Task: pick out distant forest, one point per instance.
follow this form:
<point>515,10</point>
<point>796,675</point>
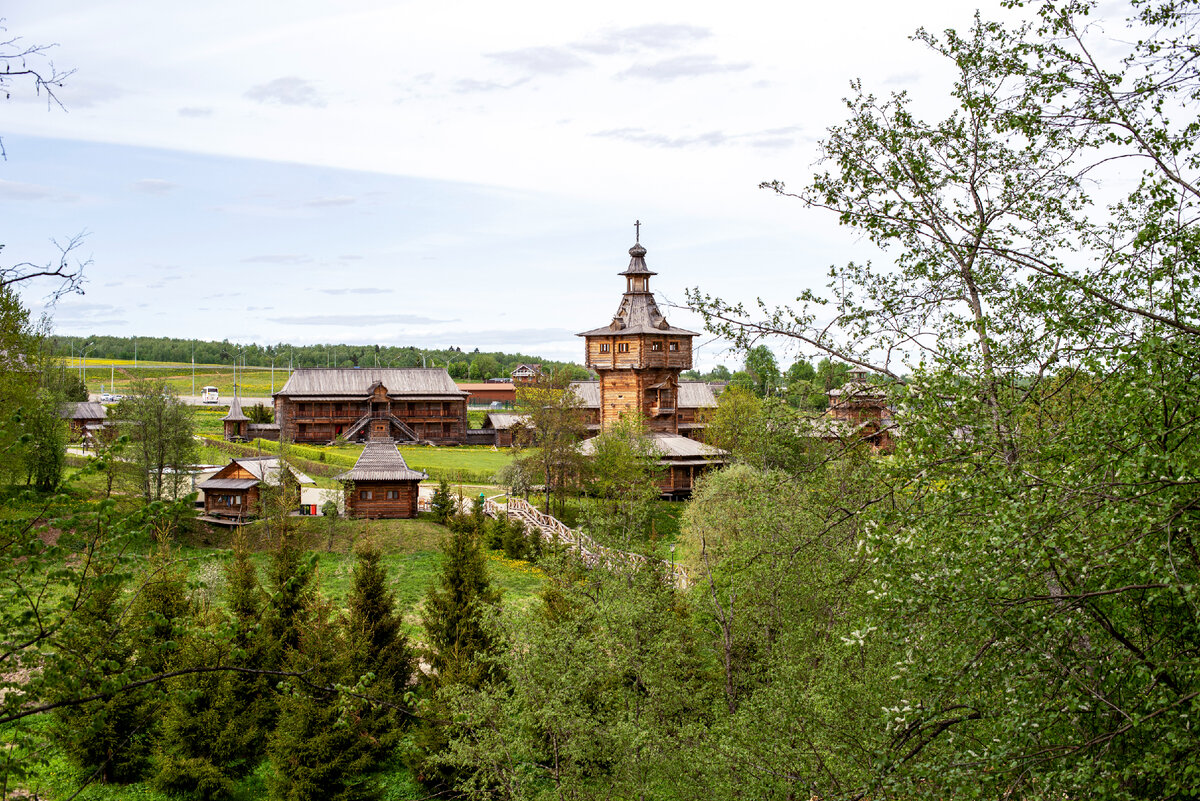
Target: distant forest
<point>473,365</point>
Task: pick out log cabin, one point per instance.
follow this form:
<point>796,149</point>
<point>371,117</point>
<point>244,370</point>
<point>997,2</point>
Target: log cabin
<point>381,484</point>
<point>234,493</point>
<point>410,404</point>
<point>87,420</point>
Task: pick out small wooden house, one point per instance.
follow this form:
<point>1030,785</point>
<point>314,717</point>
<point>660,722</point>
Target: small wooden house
<point>381,484</point>
<point>506,425</point>
<point>87,420</point>
<point>234,493</point>
<point>526,374</point>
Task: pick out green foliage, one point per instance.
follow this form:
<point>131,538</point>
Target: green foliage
<point>622,472</point>
<point>44,442</point>
<point>443,503</point>
<point>549,443</point>
<point>763,370</point>
<point>1032,567</point>
<point>455,616</point>
<point>260,414</point>
<point>161,435</point>
<point>604,679</point>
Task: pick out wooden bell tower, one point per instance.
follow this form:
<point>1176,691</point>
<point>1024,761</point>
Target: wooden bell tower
<point>639,356</point>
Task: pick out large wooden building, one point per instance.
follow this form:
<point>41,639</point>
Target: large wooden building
<point>410,404</point>
<point>381,484</point>
<point>639,357</point>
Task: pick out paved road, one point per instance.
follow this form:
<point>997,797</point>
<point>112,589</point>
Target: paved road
<point>194,400</point>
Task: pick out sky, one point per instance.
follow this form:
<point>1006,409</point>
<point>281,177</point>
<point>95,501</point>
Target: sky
<point>435,174</point>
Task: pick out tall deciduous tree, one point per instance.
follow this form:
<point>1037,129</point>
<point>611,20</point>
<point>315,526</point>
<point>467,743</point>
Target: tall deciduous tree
<point>622,472</point>
<point>1037,556</point>
<point>549,441</point>
<point>162,438</point>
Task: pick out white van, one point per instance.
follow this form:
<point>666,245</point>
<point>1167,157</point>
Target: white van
<point>210,395</point>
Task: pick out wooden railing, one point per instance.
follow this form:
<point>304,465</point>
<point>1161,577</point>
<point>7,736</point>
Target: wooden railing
<point>591,552</point>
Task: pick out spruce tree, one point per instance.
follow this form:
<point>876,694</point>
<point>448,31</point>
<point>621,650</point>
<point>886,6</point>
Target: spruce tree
<point>214,730</point>
<point>443,502</point>
<point>374,636</point>
<point>109,738</point>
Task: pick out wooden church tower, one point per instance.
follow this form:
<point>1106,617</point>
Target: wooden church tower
<point>639,356</point>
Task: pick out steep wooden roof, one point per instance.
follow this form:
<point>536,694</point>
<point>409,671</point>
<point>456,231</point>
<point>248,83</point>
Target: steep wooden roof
<point>638,313</point>
<point>235,412</point>
<point>349,382</point>
<point>381,461</point>
<point>672,448</point>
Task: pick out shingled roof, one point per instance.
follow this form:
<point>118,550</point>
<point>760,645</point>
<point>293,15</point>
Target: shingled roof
<point>235,412</point>
<point>672,448</point>
<point>350,382</point>
<point>86,410</point>
<point>265,469</point>
<point>638,313</point>
<point>381,461</point>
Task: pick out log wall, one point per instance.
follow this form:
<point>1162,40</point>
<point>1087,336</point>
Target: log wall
<point>379,505</point>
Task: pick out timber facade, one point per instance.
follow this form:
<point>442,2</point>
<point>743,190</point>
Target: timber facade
<point>639,357</point>
<point>381,484</point>
<point>319,405</point>
<point>234,493</point>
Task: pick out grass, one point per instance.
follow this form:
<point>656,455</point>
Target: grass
<point>460,464</point>
<point>119,377</point>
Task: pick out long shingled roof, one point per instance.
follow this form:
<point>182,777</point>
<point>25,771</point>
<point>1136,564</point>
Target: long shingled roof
<point>357,383</point>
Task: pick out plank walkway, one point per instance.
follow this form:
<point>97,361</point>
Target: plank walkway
<point>591,552</point>
<point>554,530</point>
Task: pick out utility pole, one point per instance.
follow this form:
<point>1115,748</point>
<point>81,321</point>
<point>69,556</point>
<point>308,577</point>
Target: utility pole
<point>193,369</point>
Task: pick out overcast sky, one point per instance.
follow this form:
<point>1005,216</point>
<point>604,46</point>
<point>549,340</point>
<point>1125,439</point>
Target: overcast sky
<point>435,174</point>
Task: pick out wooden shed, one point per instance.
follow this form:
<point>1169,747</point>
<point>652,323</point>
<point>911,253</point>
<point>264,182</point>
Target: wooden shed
<point>236,422</point>
<point>87,420</point>
<point>381,484</point>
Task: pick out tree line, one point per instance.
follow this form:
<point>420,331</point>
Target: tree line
<point>473,365</point>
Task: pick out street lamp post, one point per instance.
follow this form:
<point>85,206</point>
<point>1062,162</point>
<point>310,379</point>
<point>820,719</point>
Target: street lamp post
<point>83,360</point>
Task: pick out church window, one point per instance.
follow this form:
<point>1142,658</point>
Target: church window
<point>674,347</point>
<point>604,347</point>
<point>622,347</point>
<point>655,346</point>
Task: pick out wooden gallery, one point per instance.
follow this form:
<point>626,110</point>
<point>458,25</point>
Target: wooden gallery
<point>411,404</point>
